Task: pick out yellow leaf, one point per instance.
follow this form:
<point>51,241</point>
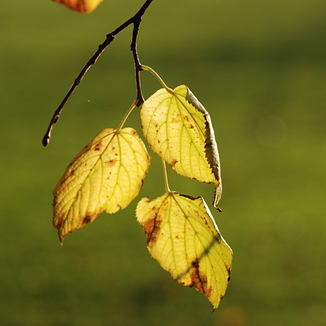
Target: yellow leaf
<point>184,239</point>
<point>81,6</point>
<point>107,174</point>
<point>179,129</point>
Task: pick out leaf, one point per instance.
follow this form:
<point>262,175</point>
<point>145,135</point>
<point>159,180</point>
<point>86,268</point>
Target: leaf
<point>179,129</point>
<point>81,6</point>
<point>184,239</point>
<point>107,174</point>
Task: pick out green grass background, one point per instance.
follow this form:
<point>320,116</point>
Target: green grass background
<point>259,68</point>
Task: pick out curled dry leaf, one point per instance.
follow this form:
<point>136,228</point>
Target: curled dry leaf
<point>107,174</point>
<point>179,129</point>
<point>183,238</point>
<point>81,6</point>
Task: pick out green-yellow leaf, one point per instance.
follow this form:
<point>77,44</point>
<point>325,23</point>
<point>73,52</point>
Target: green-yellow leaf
<point>184,239</point>
<point>179,129</point>
<point>107,174</point>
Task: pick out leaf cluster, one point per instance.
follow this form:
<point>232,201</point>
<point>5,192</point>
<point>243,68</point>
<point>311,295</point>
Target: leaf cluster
<point>108,173</point>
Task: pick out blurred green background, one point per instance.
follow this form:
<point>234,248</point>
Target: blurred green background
<point>259,68</point>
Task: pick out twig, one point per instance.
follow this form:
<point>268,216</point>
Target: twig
<point>136,20</point>
<point>138,68</point>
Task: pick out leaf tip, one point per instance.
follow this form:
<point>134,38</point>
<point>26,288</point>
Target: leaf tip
<point>217,195</point>
<point>61,238</point>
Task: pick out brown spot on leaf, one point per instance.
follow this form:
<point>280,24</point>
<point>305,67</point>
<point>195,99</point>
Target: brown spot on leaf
<point>152,228</point>
<point>173,163</point>
<point>148,228</point>
<point>195,263</point>
<point>98,146</point>
<point>71,173</point>
<point>111,162</point>
<point>87,219</point>
<point>228,269</point>
<point>176,119</point>
<point>198,279</point>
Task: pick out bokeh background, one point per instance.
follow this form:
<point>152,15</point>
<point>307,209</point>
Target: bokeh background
<point>259,68</point>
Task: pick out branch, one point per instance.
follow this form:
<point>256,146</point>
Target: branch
<point>136,20</point>
<point>138,67</point>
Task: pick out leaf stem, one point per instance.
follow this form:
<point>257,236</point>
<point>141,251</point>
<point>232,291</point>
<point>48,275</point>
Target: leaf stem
<point>124,119</point>
<point>157,76</point>
<point>136,20</point>
<point>166,180</point>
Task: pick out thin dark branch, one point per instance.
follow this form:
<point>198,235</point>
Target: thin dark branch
<point>138,69</point>
<point>136,20</point>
